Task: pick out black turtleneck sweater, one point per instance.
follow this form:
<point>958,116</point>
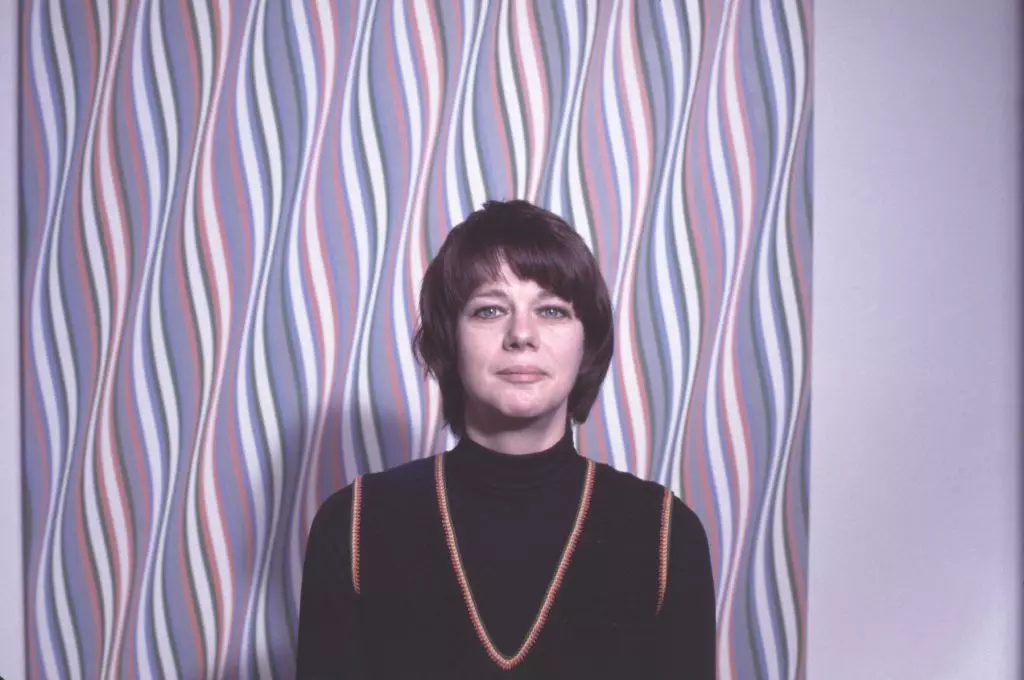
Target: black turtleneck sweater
<point>512,516</point>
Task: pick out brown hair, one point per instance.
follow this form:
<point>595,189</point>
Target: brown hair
<point>537,245</point>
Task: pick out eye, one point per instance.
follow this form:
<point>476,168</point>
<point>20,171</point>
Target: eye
<point>555,312</point>
<point>486,312</point>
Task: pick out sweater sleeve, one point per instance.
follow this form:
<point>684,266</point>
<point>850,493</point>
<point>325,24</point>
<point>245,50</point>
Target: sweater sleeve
<point>687,625</point>
<point>329,645</point>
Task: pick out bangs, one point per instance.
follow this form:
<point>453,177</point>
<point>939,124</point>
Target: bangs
<point>549,261</point>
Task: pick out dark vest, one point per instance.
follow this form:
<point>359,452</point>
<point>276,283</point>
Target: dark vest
<point>413,617</point>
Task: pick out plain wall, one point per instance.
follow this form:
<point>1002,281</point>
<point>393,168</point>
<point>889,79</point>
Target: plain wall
<point>12,626</point>
<point>915,486</point>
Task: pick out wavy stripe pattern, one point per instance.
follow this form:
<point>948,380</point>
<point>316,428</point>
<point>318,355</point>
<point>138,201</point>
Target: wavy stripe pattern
<point>228,209</point>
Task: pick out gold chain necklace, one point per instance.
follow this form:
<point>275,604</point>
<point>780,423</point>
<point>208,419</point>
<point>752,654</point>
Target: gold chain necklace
<point>510,662</point>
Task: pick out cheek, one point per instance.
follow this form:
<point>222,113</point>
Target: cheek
<point>472,355</point>
<point>572,352</point>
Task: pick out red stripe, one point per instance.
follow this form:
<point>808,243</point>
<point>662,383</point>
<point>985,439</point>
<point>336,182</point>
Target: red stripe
<point>641,179</point>
<point>222,325</point>
<point>189,332</point>
<point>244,533</point>
<point>314,235</point>
<point>393,265</point>
<point>135,168</point>
<point>87,369</point>
<point>30,118</point>
<point>502,141</point>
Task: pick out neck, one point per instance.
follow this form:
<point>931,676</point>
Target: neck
<point>518,438</point>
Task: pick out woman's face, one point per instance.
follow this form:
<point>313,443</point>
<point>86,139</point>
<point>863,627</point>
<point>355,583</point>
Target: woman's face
<point>520,348</point>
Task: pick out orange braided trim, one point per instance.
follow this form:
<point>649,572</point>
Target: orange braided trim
<point>666,526</point>
<point>509,662</point>
<point>357,507</point>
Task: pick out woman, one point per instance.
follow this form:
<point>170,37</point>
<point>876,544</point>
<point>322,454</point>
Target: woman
<point>510,556</point>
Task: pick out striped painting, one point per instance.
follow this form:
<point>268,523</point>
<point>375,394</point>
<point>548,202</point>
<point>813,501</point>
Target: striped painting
<point>227,208</point>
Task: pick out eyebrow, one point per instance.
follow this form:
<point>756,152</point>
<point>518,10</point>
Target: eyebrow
<point>489,292</point>
<point>502,295</point>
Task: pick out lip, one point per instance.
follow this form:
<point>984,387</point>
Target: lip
<point>522,371</point>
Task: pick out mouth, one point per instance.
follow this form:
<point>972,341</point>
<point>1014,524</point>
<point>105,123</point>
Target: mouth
<point>522,374</point>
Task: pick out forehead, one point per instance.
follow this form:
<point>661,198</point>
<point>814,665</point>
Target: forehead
<point>505,282</point>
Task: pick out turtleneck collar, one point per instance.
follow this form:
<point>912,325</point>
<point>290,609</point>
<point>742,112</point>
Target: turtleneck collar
<point>473,464</point>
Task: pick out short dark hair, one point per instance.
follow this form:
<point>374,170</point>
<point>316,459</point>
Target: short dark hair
<point>538,246</point>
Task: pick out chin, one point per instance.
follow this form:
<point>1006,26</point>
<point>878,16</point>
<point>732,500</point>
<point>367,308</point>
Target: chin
<point>517,408</point>
<point>523,412</point>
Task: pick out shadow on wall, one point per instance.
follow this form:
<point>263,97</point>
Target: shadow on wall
<point>391,426</point>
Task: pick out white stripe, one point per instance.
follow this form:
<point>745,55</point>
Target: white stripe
<point>419,157</point>
<point>532,92</point>
<point>353,191</point>
<point>718,462</point>
<point>631,380</point>
<point>671,319</point>
<point>146,411</point>
<point>776,381</point>
<point>376,183</point>
<point>684,251</point>
<point>577,193</point>
<point>474,174</point>
<point>611,98</point>
<point>115,230</point>
<point>158,341</point>
<point>306,495</point>
<point>50,580</point>
<point>569,110</point>
<point>93,520</point>
<point>315,257</point>
<point>222,299</point>
<point>462,108</point>
<point>613,404</point>
<point>305,200</point>
<point>404,326</point>
<point>734,116</point>
<point>265,401</point>
<point>760,567</point>
<point>509,92</point>
<point>204,330</point>
<point>790,617</point>
<point>244,408</point>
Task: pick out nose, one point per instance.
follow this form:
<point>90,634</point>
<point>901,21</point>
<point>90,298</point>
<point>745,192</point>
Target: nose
<point>521,332</point>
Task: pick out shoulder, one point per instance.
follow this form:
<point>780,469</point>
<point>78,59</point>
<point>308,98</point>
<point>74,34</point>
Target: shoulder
<point>391,483</point>
<point>629,507</point>
<point>686,525</point>
<point>629,495</point>
<point>625,488</point>
<point>333,511</point>
<point>401,479</point>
